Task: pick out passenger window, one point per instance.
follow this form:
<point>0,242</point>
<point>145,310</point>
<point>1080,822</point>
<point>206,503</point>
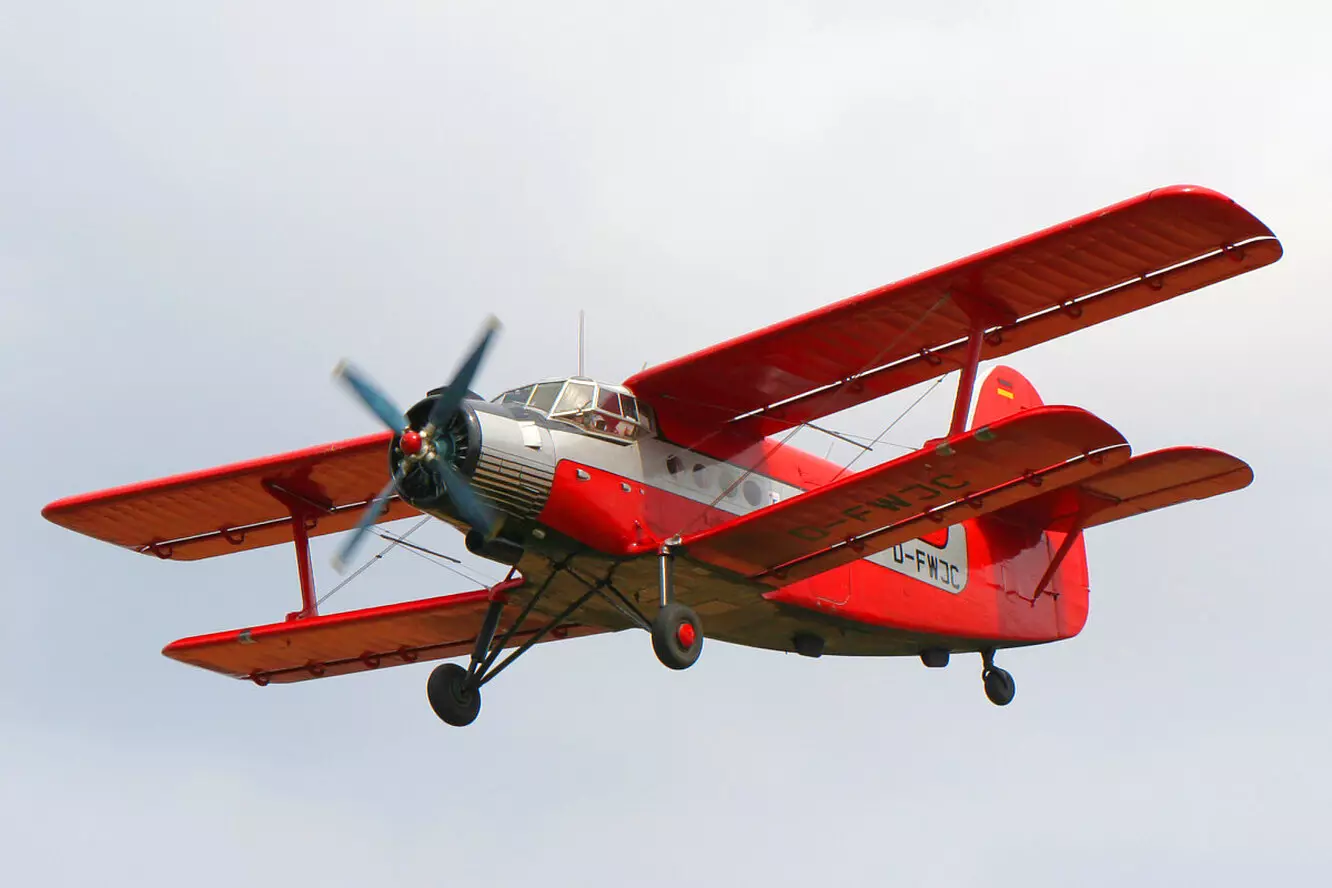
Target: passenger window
<point>753,493</point>
<point>673,464</point>
<point>544,396</point>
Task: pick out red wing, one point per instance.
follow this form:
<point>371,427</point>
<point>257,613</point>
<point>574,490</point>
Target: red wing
<point>1066,278</point>
<point>356,641</point>
<point>1144,484</point>
<point>978,471</point>
<point>230,508</point>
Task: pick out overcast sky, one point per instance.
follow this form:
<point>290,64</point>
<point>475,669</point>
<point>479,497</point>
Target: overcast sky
<point>204,206</point>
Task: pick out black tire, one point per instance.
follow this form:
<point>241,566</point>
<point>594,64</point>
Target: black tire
<point>999,686</point>
<point>666,641</point>
<point>935,658</point>
<point>454,702</point>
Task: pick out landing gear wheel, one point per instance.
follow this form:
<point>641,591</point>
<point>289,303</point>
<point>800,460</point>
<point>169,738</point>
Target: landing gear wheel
<point>677,636</point>
<point>450,697</point>
<point>999,686</point>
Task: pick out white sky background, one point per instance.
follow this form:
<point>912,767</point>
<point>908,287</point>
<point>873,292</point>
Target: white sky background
<point>203,207</point>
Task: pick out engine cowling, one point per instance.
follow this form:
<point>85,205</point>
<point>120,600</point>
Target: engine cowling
<point>508,461</point>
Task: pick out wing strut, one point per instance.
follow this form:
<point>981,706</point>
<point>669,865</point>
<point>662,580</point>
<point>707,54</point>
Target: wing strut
<point>967,383</point>
<point>303,519</point>
<point>1074,533</point>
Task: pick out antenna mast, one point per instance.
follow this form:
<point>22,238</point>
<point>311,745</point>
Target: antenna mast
<point>580,342</point>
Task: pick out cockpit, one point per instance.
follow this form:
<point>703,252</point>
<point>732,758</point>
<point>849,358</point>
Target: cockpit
<point>596,407</point>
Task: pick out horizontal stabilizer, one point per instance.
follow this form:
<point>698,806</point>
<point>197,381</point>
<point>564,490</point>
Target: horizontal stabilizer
<point>1144,484</point>
<point>988,468</point>
<point>239,506</point>
<point>359,640</point>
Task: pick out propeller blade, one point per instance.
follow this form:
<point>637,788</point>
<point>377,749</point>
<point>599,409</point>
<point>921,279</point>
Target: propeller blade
<point>457,389</point>
<point>465,500</point>
<point>380,404</point>
<point>373,510</point>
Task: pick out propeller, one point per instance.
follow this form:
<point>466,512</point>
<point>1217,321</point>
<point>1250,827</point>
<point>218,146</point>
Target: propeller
<point>419,445</point>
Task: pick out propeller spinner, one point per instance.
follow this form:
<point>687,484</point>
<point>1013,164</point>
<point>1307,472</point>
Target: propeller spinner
<point>421,447</point>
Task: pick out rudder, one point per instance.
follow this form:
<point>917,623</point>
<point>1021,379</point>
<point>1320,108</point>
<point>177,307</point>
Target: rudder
<point>1004,392</point>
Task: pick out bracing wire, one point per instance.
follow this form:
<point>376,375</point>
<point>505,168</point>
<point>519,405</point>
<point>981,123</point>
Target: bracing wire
<point>373,559</point>
<point>889,428</point>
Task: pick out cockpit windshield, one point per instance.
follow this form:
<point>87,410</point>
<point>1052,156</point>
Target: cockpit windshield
<point>596,407</point>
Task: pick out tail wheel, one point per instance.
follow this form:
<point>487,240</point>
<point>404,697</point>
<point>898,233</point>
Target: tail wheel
<point>999,686</point>
<point>451,695</point>
<point>677,636</point>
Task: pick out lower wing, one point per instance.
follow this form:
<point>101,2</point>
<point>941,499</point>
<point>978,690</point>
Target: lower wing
<point>980,471</point>
<point>361,640</point>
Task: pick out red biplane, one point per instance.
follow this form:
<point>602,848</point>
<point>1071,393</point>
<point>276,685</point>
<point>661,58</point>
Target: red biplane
<point>671,503</point>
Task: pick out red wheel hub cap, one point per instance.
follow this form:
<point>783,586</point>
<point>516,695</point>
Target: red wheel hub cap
<point>686,635</point>
<point>411,442</point>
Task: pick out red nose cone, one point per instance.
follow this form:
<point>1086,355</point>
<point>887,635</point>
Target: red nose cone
<point>411,442</point>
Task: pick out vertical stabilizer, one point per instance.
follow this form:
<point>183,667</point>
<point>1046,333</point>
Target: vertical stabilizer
<point>1004,392</point>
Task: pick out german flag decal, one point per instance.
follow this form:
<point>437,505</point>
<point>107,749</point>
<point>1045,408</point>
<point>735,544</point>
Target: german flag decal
<point>1004,388</point>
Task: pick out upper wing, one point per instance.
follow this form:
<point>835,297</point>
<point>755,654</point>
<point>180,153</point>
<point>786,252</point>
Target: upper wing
<point>1144,484</point>
<point>979,471</point>
<point>1100,266</point>
<point>355,641</point>
<point>240,506</point>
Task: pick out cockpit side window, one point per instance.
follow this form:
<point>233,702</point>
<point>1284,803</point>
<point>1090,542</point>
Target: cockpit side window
<point>543,398</point>
<point>517,396</point>
<point>577,397</point>
<point>609,401</point>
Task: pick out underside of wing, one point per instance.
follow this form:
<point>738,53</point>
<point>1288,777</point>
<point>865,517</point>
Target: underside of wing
<point>361,640</point>
<point>1094,268</point>
<point>236,507</point>
<point>985,469</point>
<point>1144,484</point>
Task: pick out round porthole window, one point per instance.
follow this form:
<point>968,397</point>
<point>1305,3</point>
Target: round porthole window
<point>701,475</point>
<point>673,464</point>
<point>753,493</point>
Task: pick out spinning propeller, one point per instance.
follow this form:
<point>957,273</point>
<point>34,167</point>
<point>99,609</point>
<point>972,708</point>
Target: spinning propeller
<point>421,448</point>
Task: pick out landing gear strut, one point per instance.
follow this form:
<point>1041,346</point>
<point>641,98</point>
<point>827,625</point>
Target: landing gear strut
<point>677,633</point>
<point>454,692</point>
<point>999,684</point>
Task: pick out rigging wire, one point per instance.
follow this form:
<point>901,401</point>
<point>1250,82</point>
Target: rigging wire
<point>782,443</point>
<point>421,552</point>
<point>372,559</point>
<point>889,428</point>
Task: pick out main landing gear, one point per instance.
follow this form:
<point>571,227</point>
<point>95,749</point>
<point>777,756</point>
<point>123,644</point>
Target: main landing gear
<point>677,634</point>
<point>454,692</point>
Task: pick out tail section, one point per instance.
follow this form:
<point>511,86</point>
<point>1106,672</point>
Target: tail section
<point>1004,392</point>
<point>1030,541</point>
